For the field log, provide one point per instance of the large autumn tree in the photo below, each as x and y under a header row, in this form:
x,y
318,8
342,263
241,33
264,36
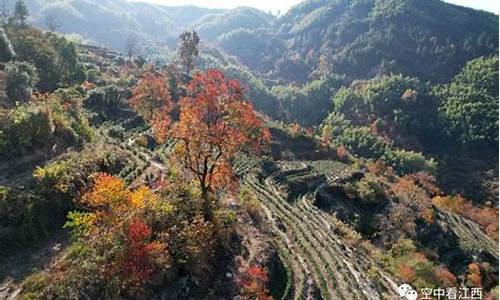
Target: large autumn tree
x,y
215,124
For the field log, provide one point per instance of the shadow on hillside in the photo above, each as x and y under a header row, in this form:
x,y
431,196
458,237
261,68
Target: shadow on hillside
x,y
474,179
18,266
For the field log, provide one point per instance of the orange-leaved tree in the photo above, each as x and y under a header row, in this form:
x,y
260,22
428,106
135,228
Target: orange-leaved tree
x,y
112,202
151,99
107,193
215,124
115,227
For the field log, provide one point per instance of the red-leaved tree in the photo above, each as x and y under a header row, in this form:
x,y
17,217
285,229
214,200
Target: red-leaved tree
x,y
137,264
215,124
151,100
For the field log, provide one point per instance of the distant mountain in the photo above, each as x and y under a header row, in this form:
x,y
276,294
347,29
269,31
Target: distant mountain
x,y
213,25
111,22
429,39
107,22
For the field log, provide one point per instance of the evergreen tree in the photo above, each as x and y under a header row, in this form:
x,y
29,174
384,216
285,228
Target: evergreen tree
x,y
131,47
21,12
188,49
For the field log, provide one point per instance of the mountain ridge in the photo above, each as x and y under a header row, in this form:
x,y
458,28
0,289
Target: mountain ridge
x,y
361,38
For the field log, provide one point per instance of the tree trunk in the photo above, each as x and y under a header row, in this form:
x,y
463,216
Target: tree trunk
x,y
207,205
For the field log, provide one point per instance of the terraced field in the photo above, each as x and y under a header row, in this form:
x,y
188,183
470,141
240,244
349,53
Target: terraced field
x,y
321,263
465,239
322,256
142,165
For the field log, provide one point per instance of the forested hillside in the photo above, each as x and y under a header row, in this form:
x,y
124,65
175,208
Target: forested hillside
x,y
110,23
431,40
427,39
335,152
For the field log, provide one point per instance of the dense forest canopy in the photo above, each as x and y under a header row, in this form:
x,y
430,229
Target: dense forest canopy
x,y
337,151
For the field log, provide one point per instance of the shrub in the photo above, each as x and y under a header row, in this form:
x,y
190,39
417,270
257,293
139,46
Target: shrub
x,y
55,121
342,153
192,247
454,204
251,205
474,275
27,217
447,278
413,267
137,265
21,79
116,131
94,99
27,128
114,251
225,226
334,125
368,189
93,76
405,272
253,284
106,100
81,224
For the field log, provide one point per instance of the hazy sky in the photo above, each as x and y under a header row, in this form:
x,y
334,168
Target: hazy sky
x,y
284,5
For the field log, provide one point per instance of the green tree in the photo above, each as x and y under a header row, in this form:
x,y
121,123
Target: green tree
x,y
362,142
21,12
188,49
307,105
21,79
470,105
6,50
36,47
68,66
106,101
405,161
404,104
